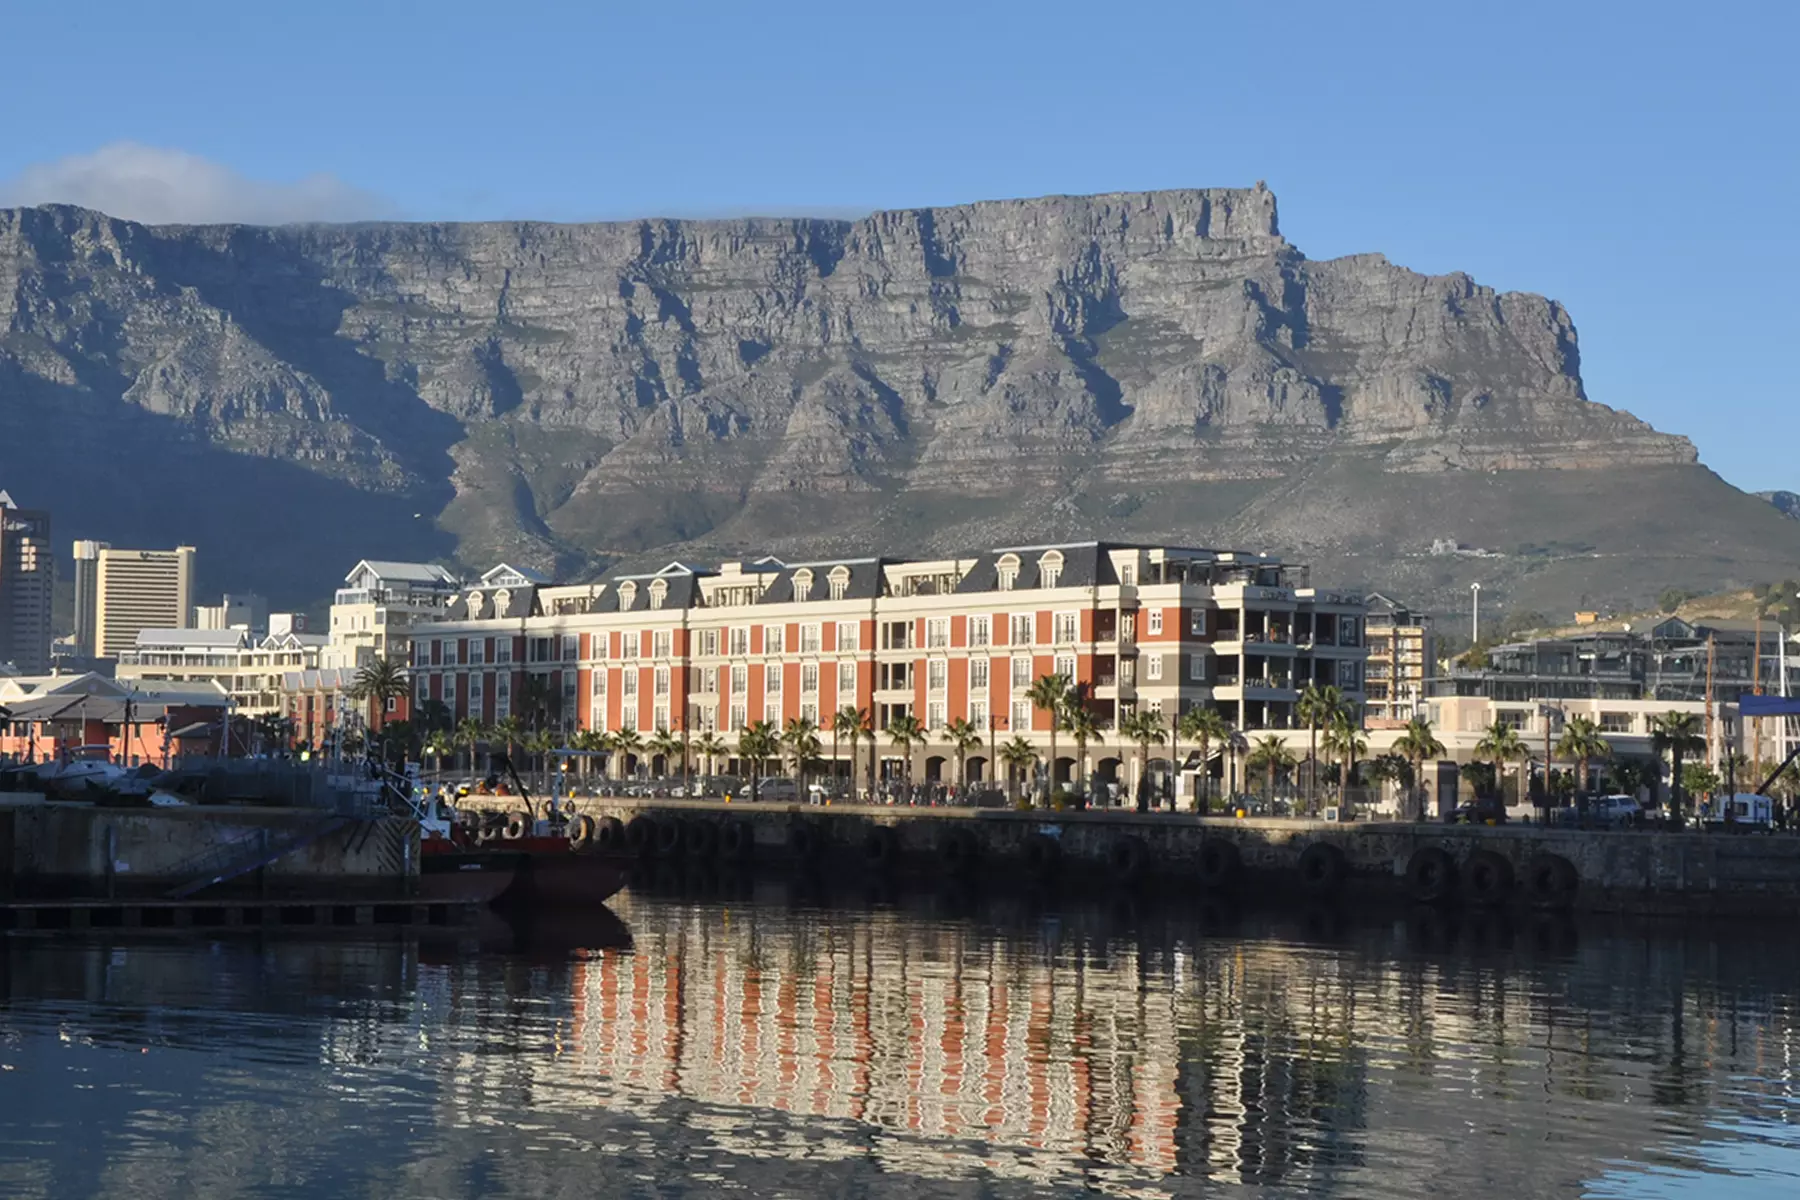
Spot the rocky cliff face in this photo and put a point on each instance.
(1041, 367)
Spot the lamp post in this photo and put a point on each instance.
(1475, 613)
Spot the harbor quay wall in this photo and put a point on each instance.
(1623, 871)
(59, 850)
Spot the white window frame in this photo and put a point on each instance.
(809, 679)
(1065, 628)
(1022, 623)
(981, 630)
(937, 633)
(662, 643)
(846, 681)
(1020, 671)
(1154, 622)
(772, 679)
(937, 674)
(1064, 665)
(660, 681)
(978, 674)
(774, 639)
(1153, 668)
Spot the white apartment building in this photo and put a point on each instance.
(250, 669)
(373, 614)
(140, 589)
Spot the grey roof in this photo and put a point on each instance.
(519, 602)
(864, 582)
(331, 680)
(223, 639)
(409, 572)
(1083, 566)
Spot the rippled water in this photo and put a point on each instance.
(777, 1050)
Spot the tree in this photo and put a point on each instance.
(1319, 705)
(469, 735)
(709, 747)
(1672, 599)
(538, 701)
(1417, 744)
(905, 732)
(1390, 768)
(624, 743)
(1017, 754)
(963, 737)
(669, 747)
(1580, 744)
(1698, 779)
(1676, 734)
(1144, 726)
(439, 743)
(1203, 726)
(435, 715)
(846, 723)
(1345, 741)
(1270, 755)
(758, 742)
(1500, 745)
(1079, 722)
(379, 681)
(1049, 694)
(801, 741)
(510, 732)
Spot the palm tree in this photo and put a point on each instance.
(1319, 704)
(1272, 756)
(510, 731)
(801, 741)
(1201, 726)
(379, 681)
(435, 715)
(537, 700)
(669, 747)
(905, 732)
(1345, 742)
(1144, 726)
(1417, 744)
(964, 737)
(1079, 722)
(1390, 768)
(846, 723)
(470, 733)
(1050, 693)
(758, 742)
(1500, 745)
(437, 744)
(1580, 744)
(709, 747)
(1676, 734)
(1017, 754)
(624, 743)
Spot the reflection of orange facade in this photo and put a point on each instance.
(1006, 1049)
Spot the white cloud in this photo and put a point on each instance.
(171, 187)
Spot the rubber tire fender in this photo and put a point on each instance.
(671, 836)
(1322, 869)
(1127, 859)
(802, 841)
(581, 832)
(881, 847)
(640, 835)
(1220, 864)
(700, 839)
(515, 827)
(1043, 854)
(609, 835)
(959, 851)
(1487, 878)
(1551, 880)
(1430, 875)
(736, 839)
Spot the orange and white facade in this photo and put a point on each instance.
(692, 650)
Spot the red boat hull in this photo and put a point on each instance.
(544, 870)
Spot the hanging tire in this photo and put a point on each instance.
(802, 841)
(1043, 855)
(609, 837)
(1551, 881)
(1127, 859)
(736, 839)
(516, 825)
(581, 832)
(670, 836)
(881, 847)
(1322, 869)
(640, 835)
(959, 851)
(1487, 878)
(700, 839)
(1430, 875)
(1220, 864)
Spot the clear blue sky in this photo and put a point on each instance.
(1639, 162)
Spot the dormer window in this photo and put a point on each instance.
(803, 581)
(840, 582)
(627, 596)
(1050, 568)
(502, 602)
(1008, 571)
(474, 604)
(659, 591)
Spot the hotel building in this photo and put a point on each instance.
(27, 581)
(692, 649)
(141, 589)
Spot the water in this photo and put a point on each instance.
(774, 1050)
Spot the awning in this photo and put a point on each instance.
(1768, 706)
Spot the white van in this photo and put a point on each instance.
(1747, 809)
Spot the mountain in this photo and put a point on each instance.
(1787, 502)
(1157, 365)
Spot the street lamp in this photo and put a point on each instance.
(1475, 610)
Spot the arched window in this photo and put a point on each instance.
(1008, 571)
(627, 596)
(474, 604)
(659, 591)
(840, 582)
(502, 602)
(803, 581)
(1050, 568)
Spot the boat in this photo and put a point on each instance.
(551, 865)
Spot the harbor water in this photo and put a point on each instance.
(772, 1044)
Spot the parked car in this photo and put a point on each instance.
(782, 791)
(1477, 812)
(1616, 810)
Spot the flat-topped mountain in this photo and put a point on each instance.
(1155, 365)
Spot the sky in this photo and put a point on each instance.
(1638, 162)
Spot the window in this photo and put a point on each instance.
(450, 652)
(1128, 671)
(772, 710)
(571, 647)
(809, 639)
(739, 717)
(475, 647)
(1615, 722)
(421, 655)
(1153, 622)
(662, 642)
(628, 681)
(772, 680)
(803, 581)
(659, 591)
(937, 633)
(772, 638)
(809, 678)
(740, 679)
(627, 596)
(1128, 575)
(840, 582)
(1050, 569)
(978, 714)
(1152, 667)
(424, 696)
(934, 715)
(1067, 628)
(393, 704)
(503, 648)
(979, 631)
(1006, 572)
(661, 681)
(809, 711)
(628, 645)
(740, 641)
(846, 635)
(1348, 628)
(937, 675)
(1024, 629)
(1350, 675)
(846, 681)
(474, 690)
(1197, 669)
(978, 674)
(1155, 705)
(1021, 672)
(1065, 666)
(1197, 622)
(596, 712)
(1021, 716)
(661, 719)
(709, 643)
